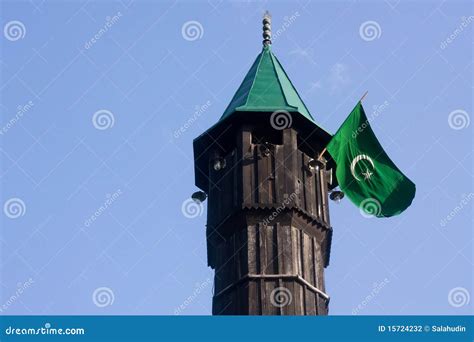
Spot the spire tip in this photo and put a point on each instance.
(267, 29)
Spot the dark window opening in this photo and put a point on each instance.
(265, 135)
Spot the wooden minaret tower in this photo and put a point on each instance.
(268, 230)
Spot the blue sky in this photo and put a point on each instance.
(92, 219)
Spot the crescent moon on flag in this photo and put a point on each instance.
(358, 159)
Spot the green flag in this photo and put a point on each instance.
(364, 171)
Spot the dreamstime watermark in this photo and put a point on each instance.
(14, 208)
(192, 30)
(191, 208)
(14, 30)
(370, 30)
(103, 296)
(281, 297)
(21, 287)
(376, 288)
(281, 119)
(199, 110)
(191, 298)
(109, 22)
(21, 110)
(465, 21)
(458, 119)
(286, 201)
(377, 110)
(103, 119)
(109, 200)
(46, 330)
(287, 22)
(458, 297)
(461, 205)
(370, 207)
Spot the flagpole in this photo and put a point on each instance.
(324, 150)
(321, 154)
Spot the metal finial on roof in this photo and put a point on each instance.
(267, 29)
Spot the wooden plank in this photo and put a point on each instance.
(262, 236)
(285, 264)
(312, 190)
(263, 232)
(227, 188)
(245, 154)
(255, 286)
(271, 176)
(279, 172)
(248, 177)
(255, 181)
(318, 194)
(317, 266)
(253, 298)
(271, 262)
(244, 251)
(320, 271)
(290, 156)
(295, 254)
(252, 248)
(252, 256)
(298, 181)
(304, 179)
(324, 197)
(290, 307)
(270, 308)
(298, 299)
(308, 272)
(262, 176)
(320, 267)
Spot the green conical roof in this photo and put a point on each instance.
(266, 88)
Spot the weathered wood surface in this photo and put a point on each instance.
(268, 230)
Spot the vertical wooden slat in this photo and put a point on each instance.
(299, 299)
(270, 286)
(312, 190)
(253, 267)
(290, 157)
(227, 186)
(304, 179)
(314, 244)
(318, 194)
(252, 249)
(246, 154)
(271, 262)
(299, 182)
(308, 274)
(320, 277)
(255, 180)
(263, 263)
(288, 298)
(237, 179)
(271, 174)
(324, 197)
(294, 250)
(279, 172)
(284, 241)
(263, 178)
(286, 258)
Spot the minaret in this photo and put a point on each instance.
(268, 230)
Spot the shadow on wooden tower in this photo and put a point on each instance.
(268, 229)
